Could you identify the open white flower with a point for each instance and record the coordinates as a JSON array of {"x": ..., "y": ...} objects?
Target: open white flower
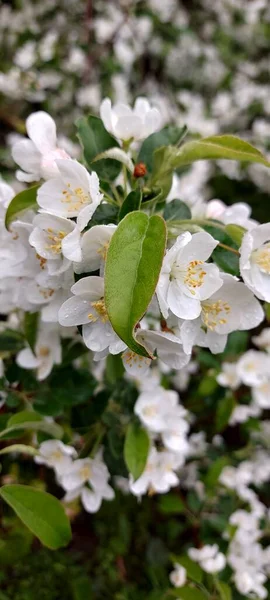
[
  {"x": 159, "y": 474},
  {"x": 55, "y": 454},
  {"x": 126, "y": 123},
  {"x": 37, "y": 155},
  {"x": 243, "y": 412},
  {"x": 254, "y": 368},
  {"x": 73, "y": 192},
  {"x": 47, "y": 353},
  {"x": 255, "y": 261},
  {"x": 186, "y": 279},
  {"x": 94, "y": 244},
  {"x": 57, "y": 240},
  {"x": 261, "y": 394},
  {"x": 238, "y": 213},
  {"x": 233, "y": 307},
  {"x": 178, "y": 576},
  {"x": 87, "y": 308},
  {"x": 209, "y": 558},
  {"x": 263, "y": 339},
  {"x": 87, "y": 478},
  {"x": 229, "y": 377}
]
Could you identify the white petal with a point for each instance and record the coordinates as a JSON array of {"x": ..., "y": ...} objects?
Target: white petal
[
  {"x": 91, "y": 500},
  {"x": 71, "y": 247},
  {"x": 26, "y": 155},
  {"x": 106, "y": 114},
  {"x": 41, "y": 129},
  {"x": 26, "y": 359},
  {"x": 75, "y": 311}
]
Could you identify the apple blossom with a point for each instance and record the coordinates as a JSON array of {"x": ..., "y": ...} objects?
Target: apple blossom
[
  {"x": 37, "y": 156},
  {"x": 229, "y": 377},
  {"x": 255, "y": 261},
  {"x": 159, "y": 474},
  {"x": 47, "y": 353},
  {"x": 209, "y": 558},
  {"x": 86, "y": 307},
  {"x": 87, "y": 478},
  {"x": 94, "y": 246},
  {"x": 71, "y": 193},
  {"x": 55, "y": 454},
  {"x": 178, "y": 576},
  {"x": 186, "y": 279},
  {"x": 128, "y": 124}
]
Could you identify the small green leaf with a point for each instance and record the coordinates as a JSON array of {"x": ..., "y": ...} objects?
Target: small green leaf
[
  {"x": 11, "y": 341},
  {"x": 95, "y": 139},
  {"x": 214, "y": 471},
  {"x": 31, "y": 328},
  {"x": 188, "y": 593},
  {"x": 176, "y": 210},
  {"x": 194, "y": 572},
  {"x": 168, "y": 135},
  {"x": 224, "y": 590},
  {"x": 136, "y": 449},
  {"x": 19, "y": 448},
  {"x": 218, "y": 147},
  {"x": 43, "y": 514},
  {"x": 29, "y": 420},
  {"x": 170, "y": 504},
  {"x": 132, "y": 269},
  {"x": 224, "y": 410},
  {"x": 114, "y": 368},
  {"x": 105, "y": 214},
  {"x": 227, "y": 260},
  {"x": 236, "y": 232},
  {"x": 131, "y": 203},
  {"x": 23, "y": 201}
]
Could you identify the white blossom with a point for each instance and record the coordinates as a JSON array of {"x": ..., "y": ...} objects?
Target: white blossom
[{"x": 128, "y": 124}]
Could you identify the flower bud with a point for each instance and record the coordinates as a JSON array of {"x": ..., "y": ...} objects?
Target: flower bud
[{"x": 140, "y": 170}]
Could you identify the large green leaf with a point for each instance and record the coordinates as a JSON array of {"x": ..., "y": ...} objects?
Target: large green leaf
[
  {"x": 43, "y": 514},
  {"x": 95, "y": 139},
  {"x": 176, "y": 210},
  {"x": 137, "y": 444},
  {"x": 23, "y": 201},
  {"x": 218, "y": 147},
  {"x": 132, "y": 269}
]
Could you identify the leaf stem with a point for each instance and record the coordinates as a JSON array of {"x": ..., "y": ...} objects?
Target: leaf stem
[{"x": 229, "y": 248}]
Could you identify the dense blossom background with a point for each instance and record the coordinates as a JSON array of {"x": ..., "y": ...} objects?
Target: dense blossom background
[{"x": 205, "y": 65}]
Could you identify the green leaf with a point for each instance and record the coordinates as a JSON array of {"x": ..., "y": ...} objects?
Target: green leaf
[
  {"x": 170, "y": 504},
  {"x": 43, "y": 514},
  {"x": 114, "y": 368},
  {"x": 19, "y": 448},
  {"x": 168, "y": 135},
  {"x": 23, "y": 201},
  {"x": 188, "y": 593},
  {"x": 227, "y": 260},
  {"x": 224, "y": 590},
  {"x": 224, "y": 410},
  {"x": 95, "y": 139},
  {"x": 218, "y": 147},
  {"x": 236, "y": 232},
  {"x": 31, "y": 328},
  {"x": 237, "y": 343},
  {"x": 194, "y": 572},
  {"x": 29, "y": 420},
  {"x": 131, "y": 203},
  {"x": 132, "y": 269},
  {"x": 11, "y": 341},
  {"x": 105, "y": 214},
  {"x": 212, "y": 476},
  {"x": 137, "y": 444},
  {"x": 176, "y": 210}
]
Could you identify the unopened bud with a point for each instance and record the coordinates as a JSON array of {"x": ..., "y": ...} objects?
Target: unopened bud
[{"x": 140, "y": 170}]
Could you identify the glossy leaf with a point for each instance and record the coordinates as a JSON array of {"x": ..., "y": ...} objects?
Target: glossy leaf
[
  {"x": 43, "y": 514},
  {"x": 131, "y": 203},
  {"x": 137, "y": 444},
  {"x": 31, "y": 328},
  {"x": 236, "y": 232},
  {"x": 132, "y": 269},
  {"x": 23, "y": 201},
  {"x": 218, "y": 147},
  {"x": 95, "y": 139},
  {"x": 168, "y": 135},
  {"x": 176, "y": 210}
]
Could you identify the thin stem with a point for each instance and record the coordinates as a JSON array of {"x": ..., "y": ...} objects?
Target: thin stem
[
  {"x": 116, "y": 195},
  {"x": 229, "y": 248}
]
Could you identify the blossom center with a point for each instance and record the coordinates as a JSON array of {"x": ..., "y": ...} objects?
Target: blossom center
[
  {"x": 44, "y": 351},
  {"x": 262, "y": 258},
  {"x": 193, "y": 274},
  {"x": 85, "y": 472},
  {"x": 101, "y": 312},
  {"x": 76, "y": 198},
  {"x": 214, "y": 313},
  {"x": 55, "y": 238},
  {"x": 103, "y": 250}
]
